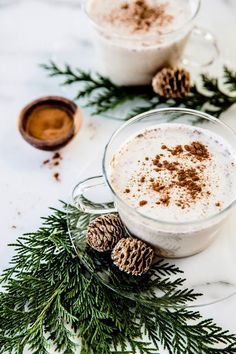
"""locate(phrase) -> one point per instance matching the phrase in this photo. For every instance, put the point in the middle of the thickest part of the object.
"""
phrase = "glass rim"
(134, 38)
(149, 113)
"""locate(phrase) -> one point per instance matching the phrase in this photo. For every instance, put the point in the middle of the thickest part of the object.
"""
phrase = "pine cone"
(172, 83)
(104, 232)
(132, 256)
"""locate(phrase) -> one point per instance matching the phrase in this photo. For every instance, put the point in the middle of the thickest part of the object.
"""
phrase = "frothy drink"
(138, 37)
(175, 173)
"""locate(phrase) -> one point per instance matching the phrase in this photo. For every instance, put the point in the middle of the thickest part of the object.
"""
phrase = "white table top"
(32, 32)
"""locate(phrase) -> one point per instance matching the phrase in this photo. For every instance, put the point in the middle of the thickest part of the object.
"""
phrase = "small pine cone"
(132, 256)
(172, 83)
(104, 232)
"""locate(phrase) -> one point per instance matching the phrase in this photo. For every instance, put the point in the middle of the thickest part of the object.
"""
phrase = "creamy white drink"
(135, 38)
(174, 173)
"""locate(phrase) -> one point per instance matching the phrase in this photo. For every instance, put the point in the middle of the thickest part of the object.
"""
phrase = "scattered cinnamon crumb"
(125, 6)
(142, 180)
(198, 150)
(165, 199)
(157, 187)
(142, 203)
(169, 165)
(57, 155)
(57, 176)
(127, 190)
(156, 160)
(218, 204)
(54, 161)
(177, 150)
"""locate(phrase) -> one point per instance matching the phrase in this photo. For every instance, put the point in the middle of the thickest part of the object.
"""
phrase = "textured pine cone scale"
(172, 83)
(132, 256)
(104, 232)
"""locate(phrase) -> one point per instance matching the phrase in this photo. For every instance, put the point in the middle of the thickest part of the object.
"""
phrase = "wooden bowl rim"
(50, 100)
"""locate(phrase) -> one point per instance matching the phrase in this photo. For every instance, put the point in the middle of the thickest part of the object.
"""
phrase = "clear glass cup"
(135, 59)
(170, 239)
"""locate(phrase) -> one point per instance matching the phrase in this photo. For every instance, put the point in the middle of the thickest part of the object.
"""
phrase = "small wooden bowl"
(58, 102)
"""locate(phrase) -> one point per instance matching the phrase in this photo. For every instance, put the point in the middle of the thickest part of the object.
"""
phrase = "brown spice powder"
(49, 123)
(165, 199)
(189, 179)
(157, 187)
(177, 150)
(57, 176)
(142, 180)
(142, 203)
(54, 161)
(140, 15)
(56, 156)
(177, 176)
(198, 150)
(127, 190)
(45, 162)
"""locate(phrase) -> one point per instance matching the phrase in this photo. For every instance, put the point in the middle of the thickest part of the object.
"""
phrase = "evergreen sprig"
(230, 79)
(103, 96)
(51, 298)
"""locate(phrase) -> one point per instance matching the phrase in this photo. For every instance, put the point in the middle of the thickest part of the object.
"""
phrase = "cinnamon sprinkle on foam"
(140, 15)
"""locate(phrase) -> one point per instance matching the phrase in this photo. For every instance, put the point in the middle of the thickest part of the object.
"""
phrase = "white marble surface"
(32, 32)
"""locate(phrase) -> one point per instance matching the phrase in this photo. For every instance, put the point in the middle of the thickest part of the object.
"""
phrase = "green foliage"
(103, 96)
(50, 297)
(230, 79)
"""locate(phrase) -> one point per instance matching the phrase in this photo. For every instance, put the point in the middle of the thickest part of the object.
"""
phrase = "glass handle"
(201, 49)
(83, 203)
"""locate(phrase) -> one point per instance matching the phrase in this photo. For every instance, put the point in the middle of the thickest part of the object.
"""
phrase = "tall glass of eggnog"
(135, 38)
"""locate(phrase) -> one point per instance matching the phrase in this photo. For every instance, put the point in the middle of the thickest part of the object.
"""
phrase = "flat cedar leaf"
(51, 299)
(230, 79)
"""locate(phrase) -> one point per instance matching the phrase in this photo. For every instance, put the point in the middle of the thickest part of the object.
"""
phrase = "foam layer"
(120, 15)
(175, 172)
(130, 43)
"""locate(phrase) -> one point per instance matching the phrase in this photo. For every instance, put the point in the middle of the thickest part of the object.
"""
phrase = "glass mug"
(169, 239)
(135, 59)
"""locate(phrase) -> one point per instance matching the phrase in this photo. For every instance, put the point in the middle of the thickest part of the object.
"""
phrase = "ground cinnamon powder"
(49, 123)
(140, 15)
(188, 181)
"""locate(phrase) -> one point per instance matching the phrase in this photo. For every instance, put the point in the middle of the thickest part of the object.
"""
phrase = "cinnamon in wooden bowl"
(50, 123)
